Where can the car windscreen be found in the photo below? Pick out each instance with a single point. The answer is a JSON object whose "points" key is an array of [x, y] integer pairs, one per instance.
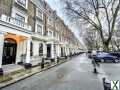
{"points": [[102, 54]]}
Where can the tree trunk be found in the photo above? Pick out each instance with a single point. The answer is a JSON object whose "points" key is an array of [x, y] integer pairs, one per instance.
{"points": [[106, 46]]}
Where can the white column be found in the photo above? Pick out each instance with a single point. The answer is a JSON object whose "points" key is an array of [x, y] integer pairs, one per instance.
{"points": [[58, 50], [28, 51], [1, 47], [65, 50], [52, 50], [44, 50]]}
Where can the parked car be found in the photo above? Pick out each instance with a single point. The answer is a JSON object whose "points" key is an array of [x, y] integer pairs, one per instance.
{"points": [[117, 54], [105, 57]]}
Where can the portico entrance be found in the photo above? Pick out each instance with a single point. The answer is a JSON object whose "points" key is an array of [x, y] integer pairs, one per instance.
{"points": [[9, 51]]}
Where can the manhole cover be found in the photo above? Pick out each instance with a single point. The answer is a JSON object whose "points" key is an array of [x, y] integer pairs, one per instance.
{"points": [[60, 76]]}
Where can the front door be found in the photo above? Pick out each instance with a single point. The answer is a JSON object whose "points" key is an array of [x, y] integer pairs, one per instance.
{"points": [[49, 50], [62, 52], [9, 52]]}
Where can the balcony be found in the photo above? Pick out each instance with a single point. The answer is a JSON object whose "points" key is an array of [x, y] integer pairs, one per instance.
{"points": [[15, 22]]}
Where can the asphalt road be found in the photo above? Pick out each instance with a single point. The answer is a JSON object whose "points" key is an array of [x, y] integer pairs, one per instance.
{"points": [[75, 74]]}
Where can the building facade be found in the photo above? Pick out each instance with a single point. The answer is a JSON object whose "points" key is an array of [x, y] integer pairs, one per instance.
{"points": [[30, 30]]}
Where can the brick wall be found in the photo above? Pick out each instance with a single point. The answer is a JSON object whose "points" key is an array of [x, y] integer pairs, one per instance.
{"points": [[31, 14], [5, 7]]}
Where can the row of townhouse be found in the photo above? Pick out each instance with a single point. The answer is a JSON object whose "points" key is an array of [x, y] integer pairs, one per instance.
{"points": [[30, 30]]}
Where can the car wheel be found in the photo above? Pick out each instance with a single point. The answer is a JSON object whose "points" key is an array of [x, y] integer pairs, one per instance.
{"points": [[102, 60], [116, 61]]}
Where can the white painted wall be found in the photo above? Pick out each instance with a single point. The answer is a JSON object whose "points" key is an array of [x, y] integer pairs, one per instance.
{"points": [[21, 49], [44, 50], [1, 47], [13, 30], [35, 47]]}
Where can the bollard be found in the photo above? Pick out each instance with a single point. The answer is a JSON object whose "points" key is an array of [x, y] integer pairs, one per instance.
{"points": [[66, 57], [106, 85], [58, 59], [27, 65], [95, 70], [42, 63]]}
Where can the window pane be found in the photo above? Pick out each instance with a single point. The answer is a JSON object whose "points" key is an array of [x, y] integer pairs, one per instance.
{"points": [[20, 18], [39, 29], [40, 14], [50, 33], [22, 2], [40, 49]]}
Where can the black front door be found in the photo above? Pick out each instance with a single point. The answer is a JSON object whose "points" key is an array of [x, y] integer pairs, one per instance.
{"points": [[48, 50], [62, 52], [9, 52]]}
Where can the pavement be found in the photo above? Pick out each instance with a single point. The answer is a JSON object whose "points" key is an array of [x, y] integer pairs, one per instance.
{"points": [[75, 74], [11, 68]]}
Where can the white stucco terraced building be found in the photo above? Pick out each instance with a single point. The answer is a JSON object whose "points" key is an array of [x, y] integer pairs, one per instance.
{"points": [[31, 30]]}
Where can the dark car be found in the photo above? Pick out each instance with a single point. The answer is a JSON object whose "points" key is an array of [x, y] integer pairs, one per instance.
{"points": [[105, 57], [117, 54]]}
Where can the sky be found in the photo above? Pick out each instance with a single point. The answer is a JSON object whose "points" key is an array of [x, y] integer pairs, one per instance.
{"points": [[58, 6]]}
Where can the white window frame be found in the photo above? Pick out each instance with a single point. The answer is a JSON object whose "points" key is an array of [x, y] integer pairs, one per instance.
{"points": [[37, 13], [26, 3], [17, 11], [50, 31], [20, 16], [41, 29]]}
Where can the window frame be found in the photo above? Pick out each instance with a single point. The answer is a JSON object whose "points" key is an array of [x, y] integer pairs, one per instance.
{"points": [[40, 13], [22, 3], [40, 49], [40, 31], [18, 15]]}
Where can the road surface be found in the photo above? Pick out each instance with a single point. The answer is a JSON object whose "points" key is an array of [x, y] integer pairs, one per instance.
{"points": [[75, 74]]}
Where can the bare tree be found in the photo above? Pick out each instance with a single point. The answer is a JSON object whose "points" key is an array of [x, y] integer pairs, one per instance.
{"points": [[117, 44], [102, 15], [115, 41], [91, 41]]}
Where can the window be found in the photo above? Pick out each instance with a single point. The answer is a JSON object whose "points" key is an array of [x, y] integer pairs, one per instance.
{"points": [[22, 2], [31, 49], [40, 49], [50, 33], [39, 29], [40, 14], [20, 18]]}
